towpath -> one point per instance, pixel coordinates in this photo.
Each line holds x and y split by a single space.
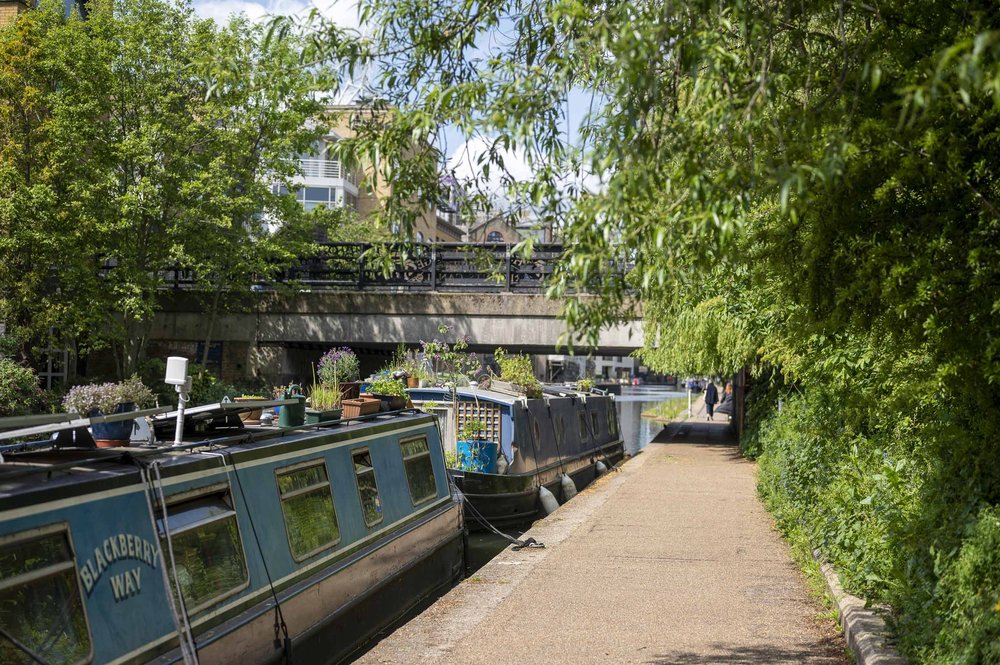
672 560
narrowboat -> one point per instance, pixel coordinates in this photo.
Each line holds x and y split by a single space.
241 545
542 441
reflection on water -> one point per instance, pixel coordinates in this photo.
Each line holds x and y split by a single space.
636 433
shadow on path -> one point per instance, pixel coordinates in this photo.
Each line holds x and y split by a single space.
826 651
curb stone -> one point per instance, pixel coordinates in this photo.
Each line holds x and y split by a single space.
864 630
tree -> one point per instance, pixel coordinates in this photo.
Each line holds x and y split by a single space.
48 121
123 162
808 188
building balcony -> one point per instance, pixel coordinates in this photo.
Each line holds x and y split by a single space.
325 168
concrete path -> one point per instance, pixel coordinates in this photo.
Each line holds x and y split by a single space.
672 560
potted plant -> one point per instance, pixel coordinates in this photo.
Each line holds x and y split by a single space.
252 416
389 390
339 366
517 375
324 404
105 399
585 385
475 451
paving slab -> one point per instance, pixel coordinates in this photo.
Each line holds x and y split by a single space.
671 560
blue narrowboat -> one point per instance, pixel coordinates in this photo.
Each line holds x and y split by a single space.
542 442
242 545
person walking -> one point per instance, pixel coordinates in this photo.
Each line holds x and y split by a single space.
711 397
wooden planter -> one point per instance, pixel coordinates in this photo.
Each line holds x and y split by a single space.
362 406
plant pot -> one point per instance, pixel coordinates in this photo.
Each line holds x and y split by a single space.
477 455
362 406
424 383
350 389
251 417
323 416
412 382
113 435
391 402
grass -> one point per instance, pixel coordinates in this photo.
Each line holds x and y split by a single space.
668 409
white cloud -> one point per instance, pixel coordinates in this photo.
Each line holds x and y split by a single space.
342 12
467 161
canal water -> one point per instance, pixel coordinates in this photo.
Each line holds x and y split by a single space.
637 432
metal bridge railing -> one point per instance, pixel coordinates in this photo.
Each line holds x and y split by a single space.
454 267
418 267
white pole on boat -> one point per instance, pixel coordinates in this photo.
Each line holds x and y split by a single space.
177 377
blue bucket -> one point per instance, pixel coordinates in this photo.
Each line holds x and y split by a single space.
477 455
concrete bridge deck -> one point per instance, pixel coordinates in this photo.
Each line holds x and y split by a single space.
672 560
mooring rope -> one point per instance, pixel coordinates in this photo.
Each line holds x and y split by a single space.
527 543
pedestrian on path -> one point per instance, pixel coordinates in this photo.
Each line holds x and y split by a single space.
711 397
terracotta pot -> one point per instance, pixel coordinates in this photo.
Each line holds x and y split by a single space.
362 406
412 382
111 443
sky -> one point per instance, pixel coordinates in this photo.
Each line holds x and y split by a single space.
461 153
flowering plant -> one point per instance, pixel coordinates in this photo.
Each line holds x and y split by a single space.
338 365
454 359
106 396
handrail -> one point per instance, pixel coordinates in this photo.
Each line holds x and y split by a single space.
412 267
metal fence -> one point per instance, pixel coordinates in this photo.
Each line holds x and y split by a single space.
418 267
443 267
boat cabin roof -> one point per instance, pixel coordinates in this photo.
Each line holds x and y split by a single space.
48 472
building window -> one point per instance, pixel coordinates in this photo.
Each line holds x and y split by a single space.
419 471
494 236
52 372
364 474
207 548
420 236
307 506
40 601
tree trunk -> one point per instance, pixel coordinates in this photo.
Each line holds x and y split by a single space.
212 315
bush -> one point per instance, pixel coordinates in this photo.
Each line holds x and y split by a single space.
969 592
19 391
900 494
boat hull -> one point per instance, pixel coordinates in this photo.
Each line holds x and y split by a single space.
512 499
346 610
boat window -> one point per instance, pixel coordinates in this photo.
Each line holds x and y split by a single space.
593 421
307 506
537 431
560 427
364 473
612 420
583 424
40 599
419 472
207 548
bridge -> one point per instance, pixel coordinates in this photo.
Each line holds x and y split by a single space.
376 297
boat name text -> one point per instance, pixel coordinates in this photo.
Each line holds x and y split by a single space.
119 547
